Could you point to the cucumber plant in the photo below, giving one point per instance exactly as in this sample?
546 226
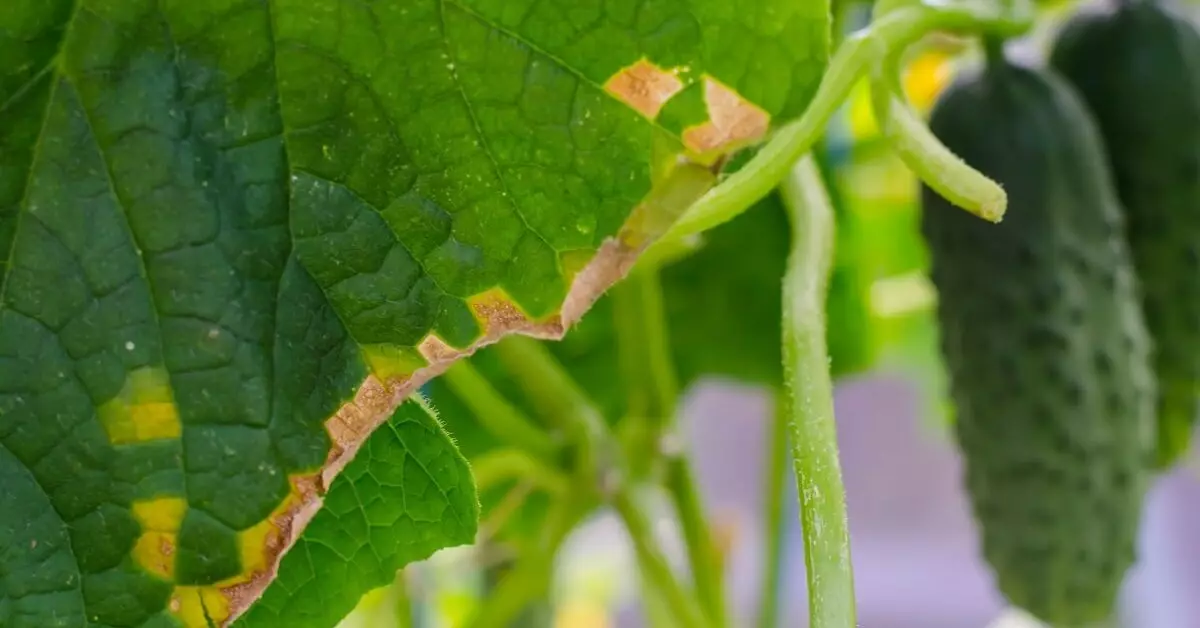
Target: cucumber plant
296 292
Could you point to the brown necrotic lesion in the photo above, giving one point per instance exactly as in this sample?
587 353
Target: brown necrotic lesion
644 86
733 121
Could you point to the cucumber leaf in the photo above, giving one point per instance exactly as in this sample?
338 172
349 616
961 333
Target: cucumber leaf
236 234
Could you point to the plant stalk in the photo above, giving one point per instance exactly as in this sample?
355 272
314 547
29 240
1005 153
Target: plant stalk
496 466
654 566
499 417
644 345
653 389
558 398
704 556
808 401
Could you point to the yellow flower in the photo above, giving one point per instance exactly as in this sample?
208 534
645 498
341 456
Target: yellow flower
925 78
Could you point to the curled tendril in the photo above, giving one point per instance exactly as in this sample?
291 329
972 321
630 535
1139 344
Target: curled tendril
874 49
926 156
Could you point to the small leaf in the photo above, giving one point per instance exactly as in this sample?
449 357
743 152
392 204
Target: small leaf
407 494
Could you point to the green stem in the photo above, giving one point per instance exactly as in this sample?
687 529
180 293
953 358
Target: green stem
764 171
547 385
499 417
555 395
643 345
703 555
926 156
809 401
647 365
773 518
654 567
494 467
667 252
889 36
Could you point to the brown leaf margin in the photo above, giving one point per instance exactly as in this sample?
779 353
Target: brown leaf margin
376 399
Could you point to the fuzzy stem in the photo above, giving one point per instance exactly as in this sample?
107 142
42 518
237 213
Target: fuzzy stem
927 156
809 401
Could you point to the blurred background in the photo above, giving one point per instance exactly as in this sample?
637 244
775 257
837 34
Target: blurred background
913 540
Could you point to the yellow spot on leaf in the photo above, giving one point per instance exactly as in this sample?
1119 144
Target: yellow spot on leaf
160 520
253 543
194 606
733 122
144 410
164 514
260 543
155 552
391 362
644 86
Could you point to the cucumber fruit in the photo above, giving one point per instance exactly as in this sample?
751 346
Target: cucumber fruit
1045 344
1137 67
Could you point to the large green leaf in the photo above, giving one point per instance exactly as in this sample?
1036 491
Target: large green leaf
235 234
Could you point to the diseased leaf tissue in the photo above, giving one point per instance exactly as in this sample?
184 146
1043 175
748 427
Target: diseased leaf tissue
235 234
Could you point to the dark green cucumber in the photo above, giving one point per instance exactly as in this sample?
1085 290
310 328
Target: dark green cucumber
1137 67
1045 344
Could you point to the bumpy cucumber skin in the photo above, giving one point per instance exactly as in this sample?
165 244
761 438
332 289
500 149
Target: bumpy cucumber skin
1137 67
1045 345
